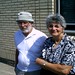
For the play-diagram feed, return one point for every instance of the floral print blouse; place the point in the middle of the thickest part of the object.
(64, 53)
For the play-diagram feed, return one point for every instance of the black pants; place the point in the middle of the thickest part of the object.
(45, 72)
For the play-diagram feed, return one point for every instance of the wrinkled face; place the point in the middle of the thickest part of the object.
(25, 26)
(55, 29)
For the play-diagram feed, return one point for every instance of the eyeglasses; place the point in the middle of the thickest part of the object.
(22, 22)
(54, 25)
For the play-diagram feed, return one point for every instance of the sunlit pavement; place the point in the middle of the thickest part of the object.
(6, 69)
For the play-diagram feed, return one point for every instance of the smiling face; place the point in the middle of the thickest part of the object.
(25, 26)
(55, 29)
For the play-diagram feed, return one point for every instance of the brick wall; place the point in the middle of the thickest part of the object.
(8, 14)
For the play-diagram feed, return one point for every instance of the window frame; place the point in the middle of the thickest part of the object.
(58, 7)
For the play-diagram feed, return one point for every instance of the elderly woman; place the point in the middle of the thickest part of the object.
(59, 51)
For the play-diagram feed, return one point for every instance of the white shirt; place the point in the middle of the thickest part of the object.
(29, 49)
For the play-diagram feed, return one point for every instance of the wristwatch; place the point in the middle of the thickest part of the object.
(44, 64)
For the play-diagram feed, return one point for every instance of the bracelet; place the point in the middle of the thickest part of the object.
(44, 64)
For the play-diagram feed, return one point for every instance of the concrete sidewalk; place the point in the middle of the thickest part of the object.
(6, 69)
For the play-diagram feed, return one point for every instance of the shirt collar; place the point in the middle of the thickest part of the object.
(33, 32)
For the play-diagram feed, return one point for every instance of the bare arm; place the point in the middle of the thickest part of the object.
(56, 68)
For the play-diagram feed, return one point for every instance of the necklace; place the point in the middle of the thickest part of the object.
(55, 44)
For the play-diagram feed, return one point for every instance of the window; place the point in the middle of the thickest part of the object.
(67, 9)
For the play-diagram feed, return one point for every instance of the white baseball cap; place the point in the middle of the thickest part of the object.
(25, 16)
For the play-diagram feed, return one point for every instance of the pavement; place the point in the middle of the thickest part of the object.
(6, 69)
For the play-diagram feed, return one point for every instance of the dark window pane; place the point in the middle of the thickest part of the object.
(70, 27)
(67, 9)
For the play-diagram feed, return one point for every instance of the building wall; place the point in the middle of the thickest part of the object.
(8, 14)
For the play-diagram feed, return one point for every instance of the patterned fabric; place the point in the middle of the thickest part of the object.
(64, 53)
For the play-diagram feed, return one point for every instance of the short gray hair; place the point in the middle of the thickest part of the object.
(56, 18)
